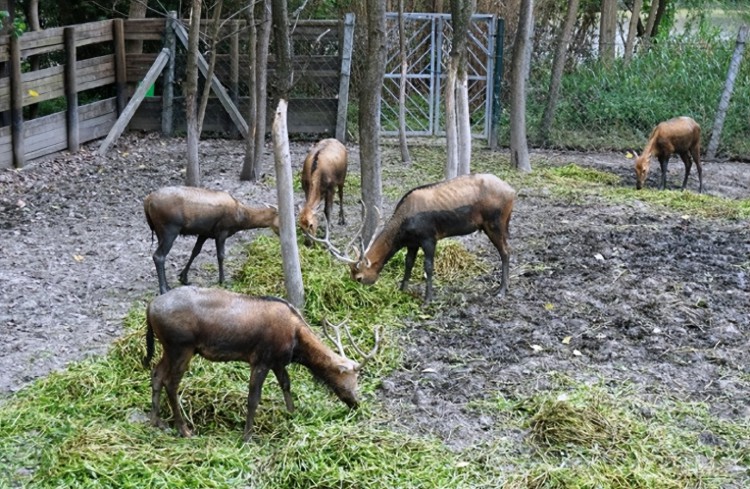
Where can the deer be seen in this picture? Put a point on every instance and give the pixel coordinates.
(323, 172)
(266, 332)
(193, 211)
(428, 213)
(681, 135)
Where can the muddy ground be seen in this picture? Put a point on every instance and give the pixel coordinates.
(657, 299)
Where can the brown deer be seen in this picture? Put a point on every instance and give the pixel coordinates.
(268, 333)
(323, 172)
(172, 211)
(681, 135)
(429, 213)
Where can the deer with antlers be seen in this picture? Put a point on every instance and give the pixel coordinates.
(429, 213)
(268, 333)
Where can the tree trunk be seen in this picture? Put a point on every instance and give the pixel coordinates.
(214, 39)
(371, 87)
(138, 9)
(405, 157)
(558, 66)
(248, 167)
(461, 11)
(519, 150)
(193, 172)
(451, 129)
(282, 161)
(721, 112)
(659, 15)
(650, 24)
(608, 31)
(261, 93)
(632, 30)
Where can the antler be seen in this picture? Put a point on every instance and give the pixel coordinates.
(366, 357)
(326, 241)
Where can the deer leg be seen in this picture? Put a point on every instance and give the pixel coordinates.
(497, 231)
(411, 255)
(663, 161)
(158, 374)
(196, 250)
(696, 154)
(429, 260)
(174, 375)
(328, 205)
(685, 156)
(283, 377)
(166, 240)
(342, 220)
(257, 377)
(220, 252)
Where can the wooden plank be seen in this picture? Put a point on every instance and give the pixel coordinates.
(138, 97)
(217, 87)
(145, 29)
(94, 32)
(45, 135)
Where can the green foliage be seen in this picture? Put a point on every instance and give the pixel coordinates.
(617, 106)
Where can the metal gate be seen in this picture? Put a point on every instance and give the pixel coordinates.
(428, 46)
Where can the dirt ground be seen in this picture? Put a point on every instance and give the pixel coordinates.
(660, 300)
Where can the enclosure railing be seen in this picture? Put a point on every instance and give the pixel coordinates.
(65, 86)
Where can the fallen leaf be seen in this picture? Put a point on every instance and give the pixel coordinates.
(629, 155)
(536, 348)
(78, 258)
(599, 257)
(549, 306)
(577, 353)
(33, 93)
(429, 371)
(566, 340)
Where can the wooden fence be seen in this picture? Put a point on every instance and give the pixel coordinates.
(89, 78)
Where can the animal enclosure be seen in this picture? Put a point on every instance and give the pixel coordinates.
(86, 78)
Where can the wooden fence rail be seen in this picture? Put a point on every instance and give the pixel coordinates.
(89, 79)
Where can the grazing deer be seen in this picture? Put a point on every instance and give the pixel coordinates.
(222, 326)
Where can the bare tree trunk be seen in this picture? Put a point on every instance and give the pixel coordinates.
(461, 12)
(138, 9)
(721, 112)
(248, 167)
(214, 39)
(261, 68)
(519, 150)
(284, 188)
(659, 15)
(193, 171)
(451, 129)
(405, 157)
(608, 31)
(369, 115)
(558, 66)
(650, 24)
(632, 30)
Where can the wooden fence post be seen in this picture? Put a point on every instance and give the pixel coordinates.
(118, 34)
(16, 103)
(346, 67)
(71, 90)
(234, 70)
(167, 96)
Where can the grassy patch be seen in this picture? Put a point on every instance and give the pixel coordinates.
(607, 435)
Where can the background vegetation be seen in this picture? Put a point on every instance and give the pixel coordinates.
(602, 106)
